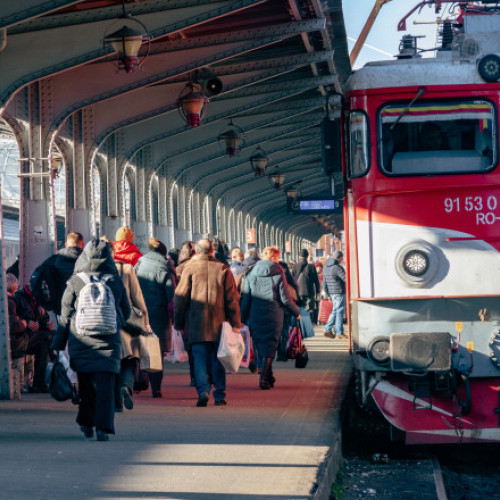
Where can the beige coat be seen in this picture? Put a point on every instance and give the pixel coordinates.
(130, 343)
(205, 297)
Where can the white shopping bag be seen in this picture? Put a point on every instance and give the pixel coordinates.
(178, 354)
(245, 333)
(231, 348)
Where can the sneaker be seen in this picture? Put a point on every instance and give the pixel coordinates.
(342, 336)
(221, 402)
(102, 436)
(202, 402)
(127, 398)
(88, 432)
(330, 334)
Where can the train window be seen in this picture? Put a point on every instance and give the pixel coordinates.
(359, 161)
(437, 137)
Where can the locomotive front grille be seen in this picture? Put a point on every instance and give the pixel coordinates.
(422, 351)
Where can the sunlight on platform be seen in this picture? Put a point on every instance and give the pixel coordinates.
(320, 343)
(181, 470)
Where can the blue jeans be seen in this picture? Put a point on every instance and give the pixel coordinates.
(337, 315)
(204, 353)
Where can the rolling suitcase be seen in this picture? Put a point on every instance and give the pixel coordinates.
(325, 309)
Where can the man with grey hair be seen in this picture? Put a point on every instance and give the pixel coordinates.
(205, 297)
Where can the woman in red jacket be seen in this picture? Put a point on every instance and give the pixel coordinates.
(123, 248)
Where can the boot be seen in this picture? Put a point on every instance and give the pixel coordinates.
(270, 377)
(264, 374)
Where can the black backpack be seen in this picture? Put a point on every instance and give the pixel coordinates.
(45, 285)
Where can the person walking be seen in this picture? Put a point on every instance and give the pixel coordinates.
(334, 287)
(265, 295)
(205, 297)
(186, 254)
(91, 329)
(124, 248)
(130, 345)
(307, 281)
(157, 283)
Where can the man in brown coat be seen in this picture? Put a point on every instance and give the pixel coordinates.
(205, 297)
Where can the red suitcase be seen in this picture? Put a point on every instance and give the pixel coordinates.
(325, 309)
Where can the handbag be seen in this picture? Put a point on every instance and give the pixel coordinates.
(150, 353)
(178, 354)
(141, 379)
(135, 322)
(301, 354)
(247, 340)
(231, 348)
(61, 388)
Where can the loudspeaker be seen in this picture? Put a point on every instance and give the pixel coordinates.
(212, 86)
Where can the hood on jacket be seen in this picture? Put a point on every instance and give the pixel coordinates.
(250, 261)
(267, 268)
(68, 254)
(330, 262)
(96, 258)
(155, 259)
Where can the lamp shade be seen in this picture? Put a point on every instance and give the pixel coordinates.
(192, 105)
(259, 161)
(276, 179)
(292, 192)
(126, 42)
(232, 139)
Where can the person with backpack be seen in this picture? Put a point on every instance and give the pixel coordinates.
(157, 280)
(49, 279)
(94, 308)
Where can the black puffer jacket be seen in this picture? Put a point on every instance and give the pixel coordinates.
(64, 265)
(92, 353)
(307, 279)
(264, 297)
(333, 278)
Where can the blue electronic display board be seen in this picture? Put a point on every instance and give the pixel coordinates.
(316, 206)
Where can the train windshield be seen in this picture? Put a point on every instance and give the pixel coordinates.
(435, 137)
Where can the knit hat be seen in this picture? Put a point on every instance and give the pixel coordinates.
(318, 264)
(337, 255)
(124, 234)
(304, 253)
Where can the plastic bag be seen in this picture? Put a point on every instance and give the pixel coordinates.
(231, 348)
(178, 354)
(61, 388)
(247, 339)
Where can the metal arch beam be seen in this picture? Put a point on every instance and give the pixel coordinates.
(279, 148)
(259, 203)
(249, 177)
(240, 204)
(56, 55)
(143, 134)
(18, 12)
(286, 64)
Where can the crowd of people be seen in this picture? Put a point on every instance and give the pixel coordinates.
(101, 290)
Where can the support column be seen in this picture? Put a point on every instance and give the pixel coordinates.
(79, 214)
(6, 386)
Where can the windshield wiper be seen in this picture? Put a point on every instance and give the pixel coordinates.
(421, 90)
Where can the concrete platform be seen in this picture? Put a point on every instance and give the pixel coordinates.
(281, 444)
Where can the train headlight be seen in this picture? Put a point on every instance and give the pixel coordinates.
(379, 350)
(417, 262)
(489, 67)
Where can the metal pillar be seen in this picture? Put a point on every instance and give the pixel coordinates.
(6, 387)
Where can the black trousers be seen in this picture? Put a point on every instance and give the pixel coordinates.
(38, 344)
(97, 402)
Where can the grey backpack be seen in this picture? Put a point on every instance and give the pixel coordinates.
(95, 307)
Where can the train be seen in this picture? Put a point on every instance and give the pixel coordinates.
(412, 148)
